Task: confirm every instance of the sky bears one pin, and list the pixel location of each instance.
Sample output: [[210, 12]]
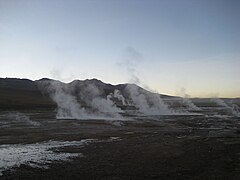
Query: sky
[[163, 45]]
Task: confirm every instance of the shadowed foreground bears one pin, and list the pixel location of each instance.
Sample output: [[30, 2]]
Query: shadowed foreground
[[167, 147]]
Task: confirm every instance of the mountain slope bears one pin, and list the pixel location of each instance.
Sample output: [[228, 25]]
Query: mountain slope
[[24, 93]]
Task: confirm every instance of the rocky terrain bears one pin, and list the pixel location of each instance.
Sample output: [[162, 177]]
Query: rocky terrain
[[92, 130]]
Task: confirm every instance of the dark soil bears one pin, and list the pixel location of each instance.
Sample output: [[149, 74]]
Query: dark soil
[[186, 147]]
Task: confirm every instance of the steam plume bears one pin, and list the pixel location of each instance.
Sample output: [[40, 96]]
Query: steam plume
[[147, 103], [187, 102], [89, 103], [94, 98], [68, 106], [118, 95], [233, 108]]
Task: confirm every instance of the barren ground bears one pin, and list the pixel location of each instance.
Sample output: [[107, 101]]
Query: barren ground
[[164, 147]]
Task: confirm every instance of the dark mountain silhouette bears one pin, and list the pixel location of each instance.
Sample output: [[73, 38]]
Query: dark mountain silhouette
[[24, 93], [21, 94]]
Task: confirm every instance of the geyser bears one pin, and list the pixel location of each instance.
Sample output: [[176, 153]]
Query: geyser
[[147, 103]]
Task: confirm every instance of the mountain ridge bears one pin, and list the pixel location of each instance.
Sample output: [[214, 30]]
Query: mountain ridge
[[21, 93]]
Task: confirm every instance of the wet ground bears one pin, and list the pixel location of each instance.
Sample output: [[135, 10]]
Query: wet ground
[[159, 147]]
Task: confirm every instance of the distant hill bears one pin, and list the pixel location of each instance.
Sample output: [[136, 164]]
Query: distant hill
[[24, 93]]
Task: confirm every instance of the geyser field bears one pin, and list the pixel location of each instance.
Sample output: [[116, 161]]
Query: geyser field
[[92, 130]]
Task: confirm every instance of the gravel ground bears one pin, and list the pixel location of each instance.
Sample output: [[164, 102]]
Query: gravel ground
[[167, 147]]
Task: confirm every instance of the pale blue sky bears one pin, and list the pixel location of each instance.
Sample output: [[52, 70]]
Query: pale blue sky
[[167, 44]]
